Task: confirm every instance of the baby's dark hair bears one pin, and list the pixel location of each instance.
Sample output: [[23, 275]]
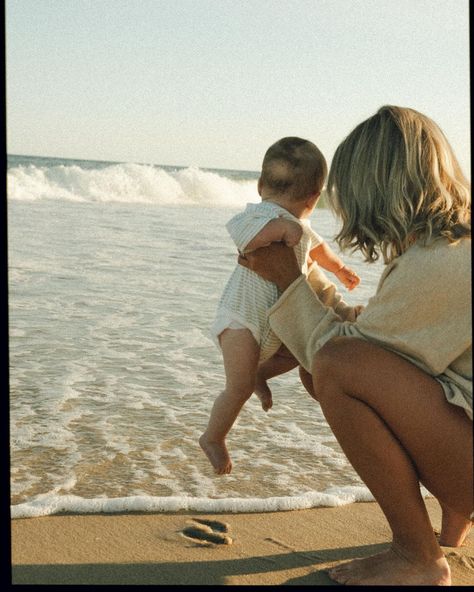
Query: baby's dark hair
[[293, 166]]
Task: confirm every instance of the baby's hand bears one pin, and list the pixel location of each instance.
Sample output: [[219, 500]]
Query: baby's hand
[[292, 233], [348, 277]]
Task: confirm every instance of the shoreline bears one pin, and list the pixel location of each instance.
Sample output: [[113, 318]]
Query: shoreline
[[54, 504], [294, 547]]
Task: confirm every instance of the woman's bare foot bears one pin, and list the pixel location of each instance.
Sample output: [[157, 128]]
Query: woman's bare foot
[[454, 528], [392, 568], [263, 392], [217, 453]]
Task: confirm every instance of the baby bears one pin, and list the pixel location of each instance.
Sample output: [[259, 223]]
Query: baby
[[291, 180]]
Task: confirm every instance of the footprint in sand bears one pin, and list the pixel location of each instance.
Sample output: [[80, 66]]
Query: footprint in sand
[[464, 561], [207, 532]]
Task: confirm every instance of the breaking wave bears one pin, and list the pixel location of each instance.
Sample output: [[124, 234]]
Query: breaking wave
[[129, 183]]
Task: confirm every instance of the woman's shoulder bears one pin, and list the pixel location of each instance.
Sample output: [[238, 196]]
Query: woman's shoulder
[[430, 279], [452, 256], [439, 261]]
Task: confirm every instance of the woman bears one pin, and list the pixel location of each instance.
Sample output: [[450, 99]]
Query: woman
[[396, 385]]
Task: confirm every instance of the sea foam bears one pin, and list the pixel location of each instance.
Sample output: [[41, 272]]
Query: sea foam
[[49, 504], [129, 183]]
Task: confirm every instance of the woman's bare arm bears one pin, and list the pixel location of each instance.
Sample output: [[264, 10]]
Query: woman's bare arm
[[276, 263]]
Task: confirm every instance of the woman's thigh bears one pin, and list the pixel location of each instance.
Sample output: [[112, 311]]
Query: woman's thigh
[[436, 434]]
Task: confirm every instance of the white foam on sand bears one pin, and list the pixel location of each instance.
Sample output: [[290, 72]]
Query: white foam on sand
[[51, 503]]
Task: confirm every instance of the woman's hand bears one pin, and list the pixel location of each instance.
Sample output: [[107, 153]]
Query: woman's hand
[[276, 263]]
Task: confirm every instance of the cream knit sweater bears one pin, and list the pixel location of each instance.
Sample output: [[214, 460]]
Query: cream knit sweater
[[421, 310]]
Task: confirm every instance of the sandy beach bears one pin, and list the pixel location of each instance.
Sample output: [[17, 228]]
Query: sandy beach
[[282, 548]]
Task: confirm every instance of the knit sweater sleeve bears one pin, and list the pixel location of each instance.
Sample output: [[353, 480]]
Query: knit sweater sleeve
[[421, 310]]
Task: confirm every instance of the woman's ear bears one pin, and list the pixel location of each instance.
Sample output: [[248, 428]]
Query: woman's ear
[[259, 186]]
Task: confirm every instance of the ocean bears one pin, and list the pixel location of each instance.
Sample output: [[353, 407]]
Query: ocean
[[115, 271]]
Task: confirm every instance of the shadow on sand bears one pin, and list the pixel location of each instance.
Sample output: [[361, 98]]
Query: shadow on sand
[[194, 572]]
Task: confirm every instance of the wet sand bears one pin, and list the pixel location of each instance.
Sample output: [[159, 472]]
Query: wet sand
[[276, 548]]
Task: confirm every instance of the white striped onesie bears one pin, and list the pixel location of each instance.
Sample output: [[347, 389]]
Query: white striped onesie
[[247, 297]]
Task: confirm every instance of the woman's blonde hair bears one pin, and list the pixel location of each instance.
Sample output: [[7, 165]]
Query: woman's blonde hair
[[395, 179]]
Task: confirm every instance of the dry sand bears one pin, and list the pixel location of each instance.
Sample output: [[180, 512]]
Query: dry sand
[[291, 548]]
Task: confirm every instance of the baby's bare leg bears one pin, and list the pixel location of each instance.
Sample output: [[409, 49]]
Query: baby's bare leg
[[279, 363], [240, 352]]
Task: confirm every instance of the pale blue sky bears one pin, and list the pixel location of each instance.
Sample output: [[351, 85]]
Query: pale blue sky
[[212, 83]]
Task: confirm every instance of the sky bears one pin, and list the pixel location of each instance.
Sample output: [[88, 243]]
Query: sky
[[212, 83]]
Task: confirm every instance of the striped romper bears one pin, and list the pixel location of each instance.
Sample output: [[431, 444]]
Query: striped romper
[[247, 297]]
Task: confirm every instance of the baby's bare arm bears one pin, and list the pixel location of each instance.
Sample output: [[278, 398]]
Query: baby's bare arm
[[327, 259], [277, 230]]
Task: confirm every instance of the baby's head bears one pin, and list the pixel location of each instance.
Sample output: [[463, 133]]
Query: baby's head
[[293, 170]]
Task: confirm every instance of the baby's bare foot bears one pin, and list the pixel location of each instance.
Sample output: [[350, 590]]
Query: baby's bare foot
[[392, 568], [454, 528], [263, 393], [217, 453]]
